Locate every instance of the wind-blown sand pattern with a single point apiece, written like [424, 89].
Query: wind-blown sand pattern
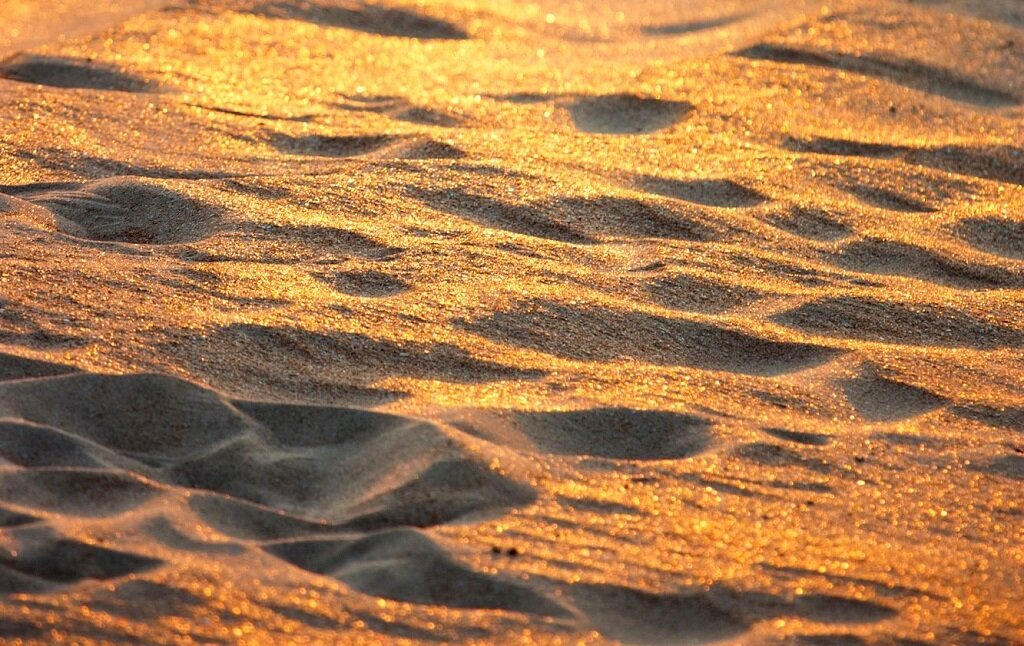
[344, 321]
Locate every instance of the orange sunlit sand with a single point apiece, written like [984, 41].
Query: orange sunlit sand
[510, 321]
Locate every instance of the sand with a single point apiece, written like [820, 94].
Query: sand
[330, 321]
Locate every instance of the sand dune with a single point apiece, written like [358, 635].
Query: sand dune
[359, 321]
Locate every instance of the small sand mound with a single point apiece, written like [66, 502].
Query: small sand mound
[310, 350]
[128, 210]
[74, 491]
[189, 418]
[878, 256]
[32, 445]
[620, 433]
[71, 73]
[903, 71]
[626, 114]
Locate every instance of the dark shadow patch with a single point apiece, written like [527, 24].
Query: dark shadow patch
[618, 433]
[524, 219]
[405, 565]
[9, 518]
[598, 334]
[431, 149]
[693, 26]
[284, 345]
[994, 163]
[885, 257]
[626, 217]
[527, 98]
[832, 609]
[600, 507]
[809, 439]
[74, 73]
[1008, 466]
[122, 209]
[723, 193]
[370, 284]
[15, 367]
[427, 117]
[1009, 417]
[635, 616]
[39, 555]
[908, 73]
[691, 293]
[811, 223]
[884, 198]
[626, 114]
[878, 398]
[999, 236]
[578, 220]
[776, 455]
[330, 146]
[326, 241]
[366, 17]
[870, 319]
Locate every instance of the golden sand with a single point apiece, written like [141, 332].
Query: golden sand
[512, 321]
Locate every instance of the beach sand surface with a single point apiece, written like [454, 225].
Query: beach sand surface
[331, 321]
